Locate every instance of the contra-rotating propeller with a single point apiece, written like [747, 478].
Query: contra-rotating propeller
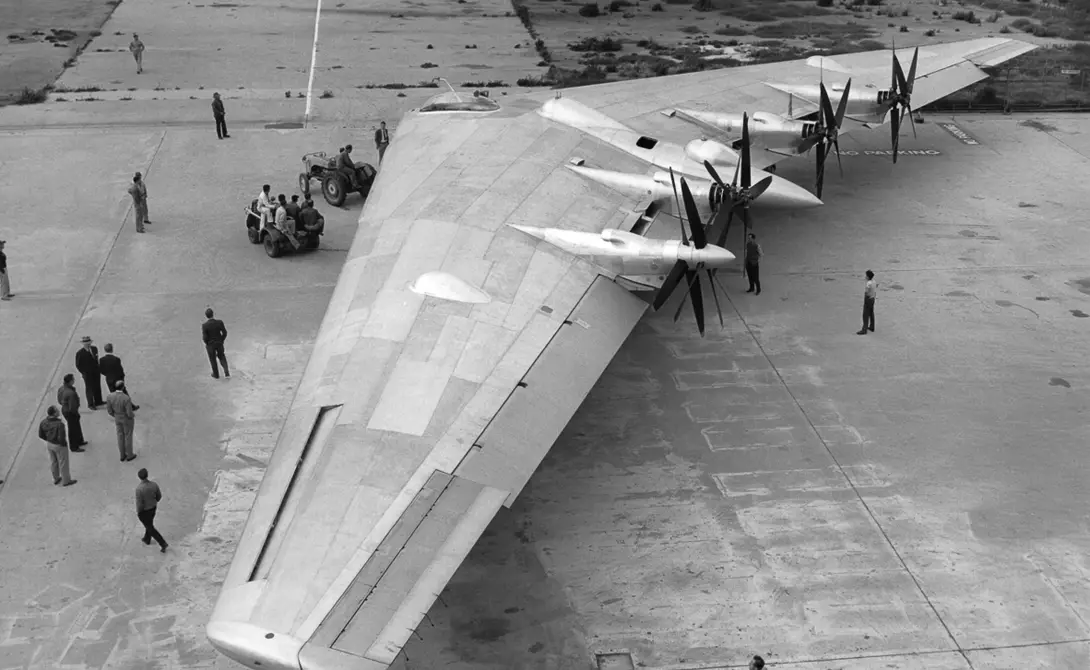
[740, 195]
[684, 269]
[900, 98]
[827, 132]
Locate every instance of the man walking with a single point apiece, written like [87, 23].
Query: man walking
[213, 332]
[753, 264]
[87, 365]
[382, 140]
[68, 399]
[148, 496]
[870, 292]
[139, 193]
[119, 406]
[51, 430]
[220, 115]
[136, 47]
[5, 284]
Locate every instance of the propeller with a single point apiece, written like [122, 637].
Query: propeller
[900, 98]
[827, 132]
[739, 195]
[690, 273]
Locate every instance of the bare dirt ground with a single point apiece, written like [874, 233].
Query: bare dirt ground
[41, 36]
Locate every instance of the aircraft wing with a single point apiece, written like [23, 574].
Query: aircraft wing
[419, 416]
[942, 69]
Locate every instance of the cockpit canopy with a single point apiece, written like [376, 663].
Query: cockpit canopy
[451, 101]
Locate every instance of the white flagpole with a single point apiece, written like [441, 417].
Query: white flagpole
[313, 60]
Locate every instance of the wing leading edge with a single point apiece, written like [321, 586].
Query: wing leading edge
[419, 417]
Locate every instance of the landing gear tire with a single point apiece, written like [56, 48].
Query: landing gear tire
[334, 190]
[272, 248]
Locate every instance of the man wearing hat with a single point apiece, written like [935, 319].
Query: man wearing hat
[87, 364]
[119, 406]
[5, 285]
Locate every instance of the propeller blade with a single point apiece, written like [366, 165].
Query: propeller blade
[691, 212]
[690, 277]
[902, 84]
[809, 142]
[721, 240]
[760, 187]
[842, 106]
[745, 234]
[713, 173]
[828, 116]
[820, 170]
[745, 151]
[718, 309]
[737, 167]
[836, 145]
[912, 70]
[911, 120]
[698, 303]
[668, 286]
[684, 240]
[895, 130]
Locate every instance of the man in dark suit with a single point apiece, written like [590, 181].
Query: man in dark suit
[68, 399]
[87, 364]
[213, 332]
[112, 370]
[382, 140]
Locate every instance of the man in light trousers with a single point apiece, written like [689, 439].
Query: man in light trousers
[119, 406]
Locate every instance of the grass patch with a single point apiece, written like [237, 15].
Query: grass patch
[495, 83]
[397, 86]
[691, 30]
[814, 29]
[731, 31]
[534, 81]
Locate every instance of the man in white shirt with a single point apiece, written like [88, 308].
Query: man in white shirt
[265, 204]
[870, 292]
[283, 223]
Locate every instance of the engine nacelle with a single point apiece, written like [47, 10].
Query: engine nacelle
[714, 152]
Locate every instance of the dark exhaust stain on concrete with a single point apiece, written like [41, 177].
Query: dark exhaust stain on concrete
[828, 279]
[1043, 298]
[1059, 381]
[1082, 284]
[896, 287]
[893, 260]
[1037, 125]
[1008, 303]
[1029, 276]
[1026, 204]
[285, 125]
[958, 294]
[1078, 313]
[967, 233]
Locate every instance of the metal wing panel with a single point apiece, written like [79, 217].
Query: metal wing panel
[400, 386]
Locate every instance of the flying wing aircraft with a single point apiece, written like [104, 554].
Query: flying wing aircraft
[486, 290]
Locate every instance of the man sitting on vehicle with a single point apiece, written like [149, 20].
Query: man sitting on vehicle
[310, 219]
[346, 166]
[292, 208]
[265, 204]
[283, 222]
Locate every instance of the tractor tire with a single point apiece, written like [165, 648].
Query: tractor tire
[253, 234]
[272, 247]
[304, 184]
[334, 189]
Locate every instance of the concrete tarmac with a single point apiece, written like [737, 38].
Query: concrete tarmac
[908, 499]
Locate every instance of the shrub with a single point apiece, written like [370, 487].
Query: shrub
[968, 17]
[597, 44]
[30, 96]
[904, 12]
[873, 3]
[657, 7]
[994, 17]
[929, 33]
[824, 3]
[428, 65]
[617, 5]
[326, 94]
[1019, 10]
[690, 30]
[534, 81]
[904, 29]
[589, 10]
[870, 45]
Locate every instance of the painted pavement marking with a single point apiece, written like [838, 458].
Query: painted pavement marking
[961, 135]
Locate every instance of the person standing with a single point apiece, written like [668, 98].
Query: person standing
[68, 399]
[110, 367]
[382, 140]
[753, 264]
[119, 406]
[51, 430]
[148, 496]
[220, 115]
[870, 292]
[214, 333]
[5, 283]
[87, 365]
[139, 193]
[136, 48]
